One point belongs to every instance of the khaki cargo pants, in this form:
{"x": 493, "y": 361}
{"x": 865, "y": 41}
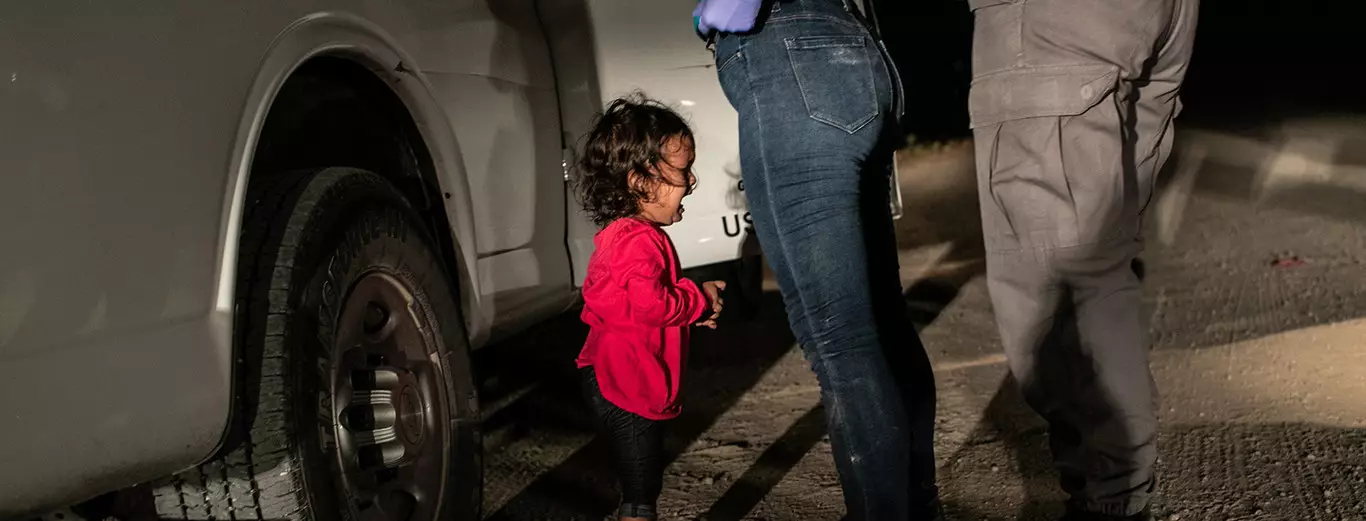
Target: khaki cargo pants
{"x": 1072, "y": 105}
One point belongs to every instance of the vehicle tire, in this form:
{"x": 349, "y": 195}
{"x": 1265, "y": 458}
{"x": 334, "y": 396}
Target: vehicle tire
{"x": 358, "y": 401}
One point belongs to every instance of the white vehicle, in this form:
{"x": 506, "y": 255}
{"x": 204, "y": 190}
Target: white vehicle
{"x": 250, "y": 244}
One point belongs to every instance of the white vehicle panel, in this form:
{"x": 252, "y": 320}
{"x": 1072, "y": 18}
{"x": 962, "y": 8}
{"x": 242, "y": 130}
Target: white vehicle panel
{"x": 127, "y": 127}
{"x": 651, "y": 47}
{"x": 497, "y": 86}
{"x": 128, "y": 131}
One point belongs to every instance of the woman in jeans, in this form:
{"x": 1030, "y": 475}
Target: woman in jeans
{"x": 816, "y": 98}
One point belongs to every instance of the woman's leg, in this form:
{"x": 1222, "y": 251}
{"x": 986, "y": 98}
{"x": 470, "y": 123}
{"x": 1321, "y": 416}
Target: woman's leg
{"x": 813, "y": 96}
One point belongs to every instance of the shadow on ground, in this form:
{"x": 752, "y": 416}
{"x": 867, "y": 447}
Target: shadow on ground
{"x": 1225, "y": 471}
{"x": 723, "y": 366}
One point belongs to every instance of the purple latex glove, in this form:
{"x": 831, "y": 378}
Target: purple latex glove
{"x": 727, "y": 16}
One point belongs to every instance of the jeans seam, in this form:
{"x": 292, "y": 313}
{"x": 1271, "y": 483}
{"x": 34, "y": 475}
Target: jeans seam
{"x": 768, "y": 189}
{"x": 778, "y": 20}
{"x": 785, "y": 249}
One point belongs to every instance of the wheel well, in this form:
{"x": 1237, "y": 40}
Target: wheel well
{"x": 334, "y": 111}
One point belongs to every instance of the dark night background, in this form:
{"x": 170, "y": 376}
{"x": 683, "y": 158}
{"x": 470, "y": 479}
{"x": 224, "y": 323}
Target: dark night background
{"x": 1256, "y": 61}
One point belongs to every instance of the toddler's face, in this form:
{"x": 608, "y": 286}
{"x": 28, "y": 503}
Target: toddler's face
{"x": 666, "y": 205}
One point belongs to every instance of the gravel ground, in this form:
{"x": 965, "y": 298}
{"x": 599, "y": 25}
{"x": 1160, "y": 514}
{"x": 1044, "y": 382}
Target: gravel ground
{"x": 1255, "y": 296}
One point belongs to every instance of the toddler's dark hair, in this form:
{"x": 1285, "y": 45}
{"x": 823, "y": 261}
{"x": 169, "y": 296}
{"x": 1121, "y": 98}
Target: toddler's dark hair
{"x": 627, "y": 137}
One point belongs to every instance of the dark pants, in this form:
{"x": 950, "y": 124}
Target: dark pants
{"x": 638, "y": 445}
{"x": 814, "y": 97}
{"x": 1072, "y": 107}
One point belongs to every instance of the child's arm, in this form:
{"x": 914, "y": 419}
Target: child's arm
{"x": 653, "y": 301}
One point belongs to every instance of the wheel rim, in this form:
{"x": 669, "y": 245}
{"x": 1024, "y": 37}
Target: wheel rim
{"x": 388, "y": 402}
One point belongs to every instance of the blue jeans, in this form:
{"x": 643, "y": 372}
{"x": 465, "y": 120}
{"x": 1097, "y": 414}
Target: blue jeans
{"x": 814, "y": 96}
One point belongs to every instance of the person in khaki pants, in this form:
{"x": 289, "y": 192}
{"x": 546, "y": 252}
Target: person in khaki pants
{"x": 1072, "y": 105}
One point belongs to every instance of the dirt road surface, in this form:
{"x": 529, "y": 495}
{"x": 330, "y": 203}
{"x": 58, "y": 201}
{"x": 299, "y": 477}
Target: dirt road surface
{"x": 1257, "y": 303}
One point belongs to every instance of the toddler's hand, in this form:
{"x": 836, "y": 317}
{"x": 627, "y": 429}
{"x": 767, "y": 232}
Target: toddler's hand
{"x": 713, "y": 290}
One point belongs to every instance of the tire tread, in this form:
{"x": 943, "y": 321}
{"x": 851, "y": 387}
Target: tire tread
{"x": 260, "y": 478}
{"x": 232, "y": 487}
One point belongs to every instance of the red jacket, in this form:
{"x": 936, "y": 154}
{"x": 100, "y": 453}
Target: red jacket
{"x": 638, "y": 311}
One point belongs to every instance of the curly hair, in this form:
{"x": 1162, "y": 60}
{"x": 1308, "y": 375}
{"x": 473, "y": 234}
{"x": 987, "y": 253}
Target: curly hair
{"x": 627, "y": 137}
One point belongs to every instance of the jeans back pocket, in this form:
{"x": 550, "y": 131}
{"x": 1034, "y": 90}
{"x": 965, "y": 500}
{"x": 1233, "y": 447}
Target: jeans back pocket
{"x": 835, "y": 76}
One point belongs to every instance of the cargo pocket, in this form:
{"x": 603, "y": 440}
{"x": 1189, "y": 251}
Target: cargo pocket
{"x": 1031, "y": 92}
{"x": 1027, "y": 150}
{"x": 835, "y": 76}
